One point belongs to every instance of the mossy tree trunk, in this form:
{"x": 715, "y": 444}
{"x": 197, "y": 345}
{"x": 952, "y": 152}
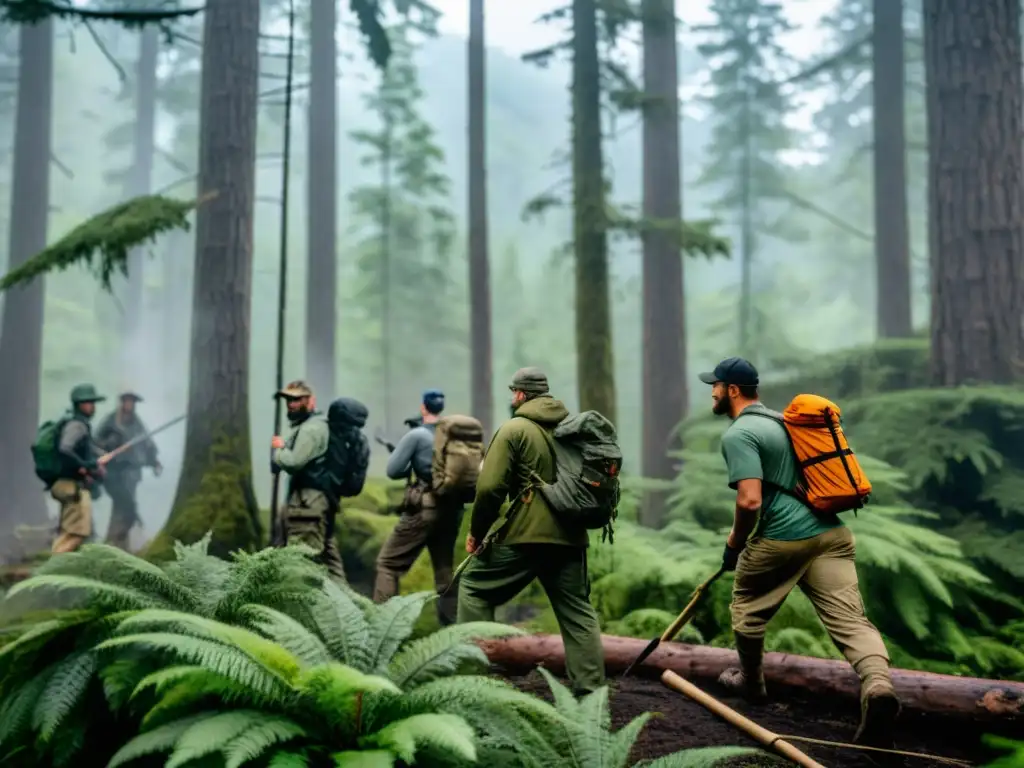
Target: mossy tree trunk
{"x": 664, "y": 337}
{"x": 595, "y": 377}
{"x": 139, "y": 182}
{"x": 322, "y": 200}
{"x": 479, "y": 260}
{"x": 892, "y": 238}
{"x": 975, "y": 98}
{"x": 215, "y": 489}
{"x": 21, "y": 337}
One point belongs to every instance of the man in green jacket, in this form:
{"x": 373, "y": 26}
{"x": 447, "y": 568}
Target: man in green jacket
{"x": 309, "y": 516}
{"x": 528, "y": 541}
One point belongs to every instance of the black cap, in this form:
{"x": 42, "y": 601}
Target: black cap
{"x": 732, "y": 370}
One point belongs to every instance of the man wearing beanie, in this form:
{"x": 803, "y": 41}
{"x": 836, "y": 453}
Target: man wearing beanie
{"x": 529, "y": 542}
{"x": 426, "y": 519}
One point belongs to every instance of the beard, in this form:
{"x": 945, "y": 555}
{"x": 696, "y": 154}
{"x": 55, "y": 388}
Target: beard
{"x": 722, "y": 406}
{"x": 298, "y": 415}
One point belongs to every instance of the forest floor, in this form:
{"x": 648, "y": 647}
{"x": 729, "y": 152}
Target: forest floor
{"x": 684, "y": 724}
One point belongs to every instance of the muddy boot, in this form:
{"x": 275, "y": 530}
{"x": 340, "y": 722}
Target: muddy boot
{"x": 879, "y": 706}
{"x": 747, "y": 680}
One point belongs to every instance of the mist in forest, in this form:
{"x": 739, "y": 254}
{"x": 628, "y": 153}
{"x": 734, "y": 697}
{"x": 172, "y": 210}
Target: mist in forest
{"x": 811, "y": 250}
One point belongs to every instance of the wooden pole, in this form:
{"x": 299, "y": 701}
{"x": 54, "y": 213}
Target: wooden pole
{"x": 748, "y": 726}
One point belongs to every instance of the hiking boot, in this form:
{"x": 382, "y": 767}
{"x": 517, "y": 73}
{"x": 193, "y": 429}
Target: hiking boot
{"x": 736, "y": 681}
{"x": 879, "y": 709}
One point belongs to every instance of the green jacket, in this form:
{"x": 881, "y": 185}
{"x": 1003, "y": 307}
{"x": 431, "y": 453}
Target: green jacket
{"x": 517, "y": 451}
{"x": 302, "y": 456}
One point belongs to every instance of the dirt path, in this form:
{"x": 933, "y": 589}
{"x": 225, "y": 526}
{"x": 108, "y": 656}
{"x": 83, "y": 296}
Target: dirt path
{"x": 683, "y": 724}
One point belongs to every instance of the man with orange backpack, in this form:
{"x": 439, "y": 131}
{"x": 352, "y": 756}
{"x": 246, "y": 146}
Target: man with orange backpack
{"x": 793, "y": 474}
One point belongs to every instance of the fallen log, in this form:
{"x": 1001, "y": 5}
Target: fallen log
{"x": 918, "y": 691}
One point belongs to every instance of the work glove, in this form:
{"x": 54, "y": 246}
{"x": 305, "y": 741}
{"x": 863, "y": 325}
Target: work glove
{"x": 730, "y": 558}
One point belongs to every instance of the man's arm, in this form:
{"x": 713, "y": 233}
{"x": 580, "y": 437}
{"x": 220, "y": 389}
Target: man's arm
{"x": 400, "y": 460}
{"x": 310, "y": 443}
{"x": 492, "y": 484}
{"x": 743, "y": 461}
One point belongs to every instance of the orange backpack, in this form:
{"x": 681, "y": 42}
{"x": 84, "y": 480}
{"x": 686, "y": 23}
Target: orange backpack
{"x": 832, "y": 478}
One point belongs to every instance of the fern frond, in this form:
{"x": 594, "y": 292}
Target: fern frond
{"x": 258, "y": 738}
{"x": 273, "y": 657}
{"x": 448, "y": 733}
{"x": 623, "y": 740}
{"x": 389, "y": 626}
{"x": 288, "y": 759}
{"x": 97, "y": 593}
{"x": 64, "y": 690}
{"x": 445, "y": 652}
{"x": 704, "y": 757}
{"x": 224, "y": 660}
{"x": 17, "y": 707}
{"x": 160, "y": 739}
{"x": 333, "y": 689}
{"x": 342, "y": 626}
{"x": 376, "y": 758}
{"x": 289, "y": 633}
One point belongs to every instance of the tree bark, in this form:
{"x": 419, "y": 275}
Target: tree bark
{"x": 21, "y": 337}
{"x": 976, "y": 221}
{"x": 664, "y": 335}
{"x": 919, "y": 691}
{"x": 140, "y": 182}
{"x": 482, "y": 397}
{"x": 215, "y": 489}
{"x": 595, "y": 375}
{"x": 892, "y": 237}
{"x": 322, "y": 200}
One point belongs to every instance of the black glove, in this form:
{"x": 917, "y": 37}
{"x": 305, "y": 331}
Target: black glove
{"x": 730, "y": 557}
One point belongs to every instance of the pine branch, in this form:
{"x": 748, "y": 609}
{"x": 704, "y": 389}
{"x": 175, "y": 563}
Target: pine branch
{"x": 34, "y": 11}
{"x": 110, "y": 236}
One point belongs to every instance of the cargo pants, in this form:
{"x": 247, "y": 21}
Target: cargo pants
{"x": 501, "y": 573}
{"x": 75, "y": 524}
{"x": 824, "y": 568}
{"x": 121, "y": 486}
{"x": 434, "y": 525}
{"x": 309, "y": 519}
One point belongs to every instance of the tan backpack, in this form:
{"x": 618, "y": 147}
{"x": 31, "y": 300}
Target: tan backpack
{"x": 458, "y": 455}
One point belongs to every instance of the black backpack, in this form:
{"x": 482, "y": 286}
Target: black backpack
{"x": 587, "y": 463}
{"x": 348, "y": 452}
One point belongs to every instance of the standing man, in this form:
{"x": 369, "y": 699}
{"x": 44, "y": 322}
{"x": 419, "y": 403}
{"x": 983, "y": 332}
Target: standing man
{"x": 777, "y": 543}
{"x": 80, "y": 470}
{"x": 529, "y": 540}
{"x": 426, "y": 520}
{"x": 310, "y": 513}
{"x": 124, "y": 471}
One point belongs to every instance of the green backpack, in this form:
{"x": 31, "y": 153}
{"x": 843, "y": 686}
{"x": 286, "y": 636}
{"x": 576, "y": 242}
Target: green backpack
{"x": 45, "y": 450}
{"x": 587, "y": 463}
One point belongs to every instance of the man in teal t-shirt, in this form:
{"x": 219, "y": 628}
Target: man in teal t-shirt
{"x": 777, "y": 543}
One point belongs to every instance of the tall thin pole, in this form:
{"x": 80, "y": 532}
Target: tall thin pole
{"x": 282, "y": 286}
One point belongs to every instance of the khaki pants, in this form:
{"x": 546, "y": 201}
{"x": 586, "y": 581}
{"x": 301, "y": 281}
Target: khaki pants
{"x": 498, "y": 575}
{"x": 309, "y": 519}
{"x": 75, "y": 524}
{"x": 823, "y": 567}
{"x": 434, "y": 526}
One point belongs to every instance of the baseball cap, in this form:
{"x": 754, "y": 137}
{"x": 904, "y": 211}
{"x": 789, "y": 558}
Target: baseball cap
{"x": 294, "y": 390}
{"x": 732, "y": 370}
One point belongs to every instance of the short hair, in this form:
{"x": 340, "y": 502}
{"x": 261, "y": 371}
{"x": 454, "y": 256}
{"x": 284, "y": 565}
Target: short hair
{"x": 433, "y": 401}
{"x": 749, "y": 391}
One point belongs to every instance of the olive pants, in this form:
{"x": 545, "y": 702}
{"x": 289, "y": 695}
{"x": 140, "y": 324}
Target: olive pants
{"x": 121, "y": 487}
{"x": 309, "y": 519}
{"x": 75, "y": 524}
{"x": 824, "y": 568}
{"x": 499, "y": 574}
{"x": 434, "y": 526}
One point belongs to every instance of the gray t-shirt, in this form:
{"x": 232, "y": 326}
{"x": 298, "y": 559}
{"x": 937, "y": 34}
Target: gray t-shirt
{"x": 414, "y": 452}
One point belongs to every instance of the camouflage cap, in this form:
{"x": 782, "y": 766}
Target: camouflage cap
{"x": 531, "y": 380}
{"x": 85, "y": 393}
{"x": 294, "y": 390}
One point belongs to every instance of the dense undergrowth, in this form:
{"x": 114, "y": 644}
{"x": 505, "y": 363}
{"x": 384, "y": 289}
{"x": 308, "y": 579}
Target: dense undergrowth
{"x": 109, "y": 660}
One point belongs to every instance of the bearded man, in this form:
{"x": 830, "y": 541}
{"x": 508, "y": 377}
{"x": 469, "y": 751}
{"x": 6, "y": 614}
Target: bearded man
{"x": 309, "y": 516}
{"x": 777, "y": 543}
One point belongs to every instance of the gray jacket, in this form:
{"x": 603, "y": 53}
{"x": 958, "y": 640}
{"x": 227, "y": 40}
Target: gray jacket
{"x": 414, "y": 453}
